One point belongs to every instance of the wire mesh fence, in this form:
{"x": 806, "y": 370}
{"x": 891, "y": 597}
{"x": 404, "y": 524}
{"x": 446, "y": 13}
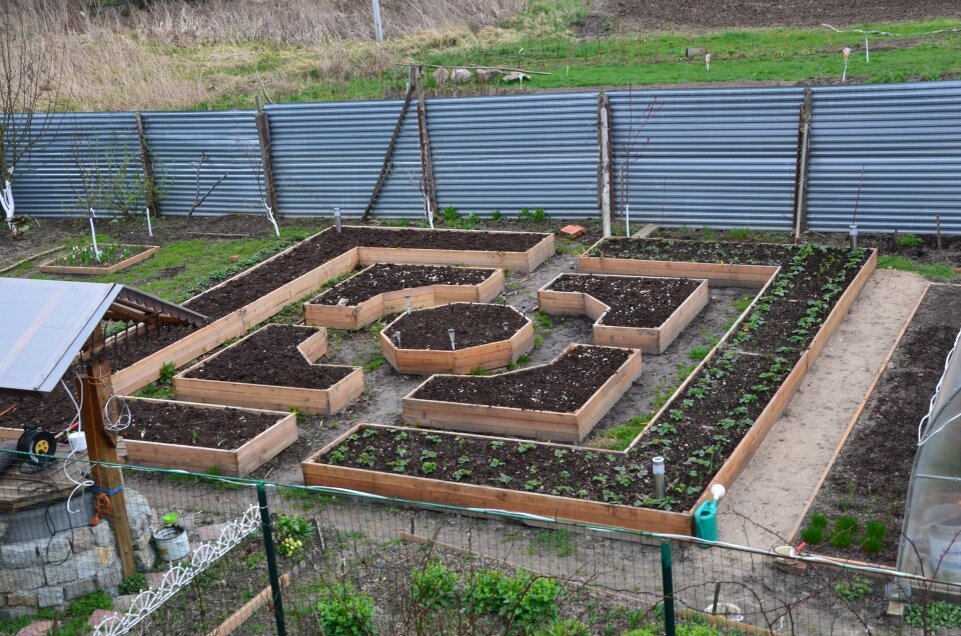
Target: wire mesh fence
{"x": 214, "y": 555}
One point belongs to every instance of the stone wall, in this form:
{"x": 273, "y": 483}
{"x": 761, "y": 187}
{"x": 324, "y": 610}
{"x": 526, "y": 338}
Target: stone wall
{"x": 52, "y": 570}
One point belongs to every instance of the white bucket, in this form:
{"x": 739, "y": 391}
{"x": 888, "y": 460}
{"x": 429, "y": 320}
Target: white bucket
{"x": 943, "y": 524}
{"x": 172, "y": 543}
{"x": 730, "y": 611}
{"x": 78, "y": 442}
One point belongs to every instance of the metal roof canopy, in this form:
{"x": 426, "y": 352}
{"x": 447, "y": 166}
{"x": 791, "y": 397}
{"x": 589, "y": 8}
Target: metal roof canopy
{"x": 48, "y": 322}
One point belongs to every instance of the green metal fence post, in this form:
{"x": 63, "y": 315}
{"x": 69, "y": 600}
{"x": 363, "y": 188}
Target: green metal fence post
{"x": 667, "y": 573}
{"x": 271, "y": 559}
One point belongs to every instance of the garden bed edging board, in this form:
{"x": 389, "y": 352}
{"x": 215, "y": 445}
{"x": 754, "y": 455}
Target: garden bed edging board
{"x": 423, "y": 489}
{"x": 504, "y": 420}
{"x": 358, "y": 316}
{"x": 437, "y": 491}
{"x": 648, "y": 339}
{"x": 491, "y": 355}
{"x": 260, "y": 396}
{"x": 50, "y": 267}
{"x": 237, "y": 462}
{"x": 235, "y": 324}
{"x": 717, "y": 274}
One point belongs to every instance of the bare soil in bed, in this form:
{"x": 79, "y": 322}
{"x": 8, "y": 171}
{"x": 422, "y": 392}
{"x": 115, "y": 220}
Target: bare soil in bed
{"x": 384, "y": 277}
{"x": 271, "y": 357}
{"x": 473, "y": 325}
{"x": 634, "y": 301}
{"x": 562, "y": 386}
{"x": 167, "y": 422}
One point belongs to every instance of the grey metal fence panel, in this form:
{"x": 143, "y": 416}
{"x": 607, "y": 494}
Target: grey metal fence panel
{"x": 507, "y": 153}
{"x": 717, "y": 157}
{"x": 329, "y": 155}
{"x": 48, "y": 181}
{"x": 907, "y": 140}
{"x": 228, "y": 143}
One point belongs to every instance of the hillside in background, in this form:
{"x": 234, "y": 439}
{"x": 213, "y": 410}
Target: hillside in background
{"x": 203, "y": 54}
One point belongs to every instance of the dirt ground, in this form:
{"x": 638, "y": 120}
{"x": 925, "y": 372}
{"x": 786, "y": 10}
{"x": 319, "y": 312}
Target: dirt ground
{"x": 643, "y": 15}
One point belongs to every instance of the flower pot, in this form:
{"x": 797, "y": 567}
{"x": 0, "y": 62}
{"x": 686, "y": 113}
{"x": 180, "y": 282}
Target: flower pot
{"x": 172, "y": 543}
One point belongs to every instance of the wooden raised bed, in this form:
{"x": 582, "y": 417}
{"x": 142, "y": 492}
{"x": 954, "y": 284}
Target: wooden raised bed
{"x": 718, "y": 274}
{"x": 437, "y": 491}
{"x": 424, "y": 489}
{"x": 492, "y": 355}
{"x": 235, "y": 324}
{"x": 373, "y": 309}
{"x": 543, "y": 425}
{"x": 647, "y": 339}
{"x": 237, "y": 462}
{"x": 261, "y": 396}
{"x": 50, "y": 267}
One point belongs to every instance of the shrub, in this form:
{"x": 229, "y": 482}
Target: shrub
{"x": 484, "y": 592}
{"x": 908, "y": 241}
{"x": 856, "y": 589}
{"x": 342, "y": 611}
{"x": 434, "y": 587}
{"x": 529, "y": 603}
{"x": 133, "y": 583}
{"x": 934, "y": 616}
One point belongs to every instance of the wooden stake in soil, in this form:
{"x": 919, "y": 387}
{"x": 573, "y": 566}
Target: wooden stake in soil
{"x": 427, "y": 165}
{"x": 605, "y": 169}
{"x": 148, "y": 173}
{"x": 263, "y": 134}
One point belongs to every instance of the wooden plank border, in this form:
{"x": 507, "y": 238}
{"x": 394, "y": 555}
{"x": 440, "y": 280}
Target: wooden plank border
{"x": 94, "y": 270}
{"x": 423, "y": 489}
{"x": 543, "y": 425}
{"x": 491, "y": 355}
{"x": 237, "y": 462}
{"x": 648, "y": 339}
{"x": 237, "y": 323}
{"x": 262, "y": 396}
{"x": 358, "y": 316}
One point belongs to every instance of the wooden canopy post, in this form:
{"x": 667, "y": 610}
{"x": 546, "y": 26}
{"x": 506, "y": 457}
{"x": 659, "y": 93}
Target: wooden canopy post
{"x": 94, "y": 387}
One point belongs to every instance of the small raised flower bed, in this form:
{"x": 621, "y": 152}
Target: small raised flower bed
{"x": 384, "y": 289}
{"x": 274, "y": 367}
{"x": 113, "y": 258}
{"x": 560, "y": 401}
{"x": 629, "y": 311}
{"x": 484, "y": 337}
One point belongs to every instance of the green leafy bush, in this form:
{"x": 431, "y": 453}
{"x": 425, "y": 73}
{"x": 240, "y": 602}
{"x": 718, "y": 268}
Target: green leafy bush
{"x": 484, "y": 592}
{"x": 133, "y": 583}
{"x": 529, "y": 603}
{"x": 908, "y": 241}
{"x": 856, "y": 589}
{"x": 434, "y": 587}
{"x": 934, "y": 616}
{"x": 342, "y": 611}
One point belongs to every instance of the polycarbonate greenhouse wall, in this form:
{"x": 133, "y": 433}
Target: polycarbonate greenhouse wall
{"x": 716, "y": 157}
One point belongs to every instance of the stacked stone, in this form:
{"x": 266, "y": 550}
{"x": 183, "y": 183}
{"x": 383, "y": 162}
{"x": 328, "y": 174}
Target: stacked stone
{"x": 50, "y": 572}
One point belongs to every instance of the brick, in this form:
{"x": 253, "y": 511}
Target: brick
{"x": 56, "y": 550}
{"x": 63, "y": 573}
{"x": 22, "y": 599}
{"x": 22, "y": 579}
{"x": 20, "y": 555}
{"x": 79, "y": 588}
{"x": 572, "y": 231}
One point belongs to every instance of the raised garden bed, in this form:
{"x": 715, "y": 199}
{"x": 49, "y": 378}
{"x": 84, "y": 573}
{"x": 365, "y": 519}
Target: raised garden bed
{"x": 868, "y": 478}
{"x": 114, "y": 257}
{"x": 275, "y": 367}
{"x": 176, "y": 435}
{"x": 707, "y": 431}
{"x": 384, "y": 289}
{"x": 628, "y": 311}
{"x": 252, "y": 297}
{"x": 737, "y": 264}
{"x": 561, "y": 400}
{"x": 485, "y": 337}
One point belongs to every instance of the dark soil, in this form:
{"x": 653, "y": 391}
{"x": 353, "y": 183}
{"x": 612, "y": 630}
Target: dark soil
{"x": 242, "y": 290}
{"x": 693, "y": 251}
{"x": 633, "y": 301}
{"x": 699, "y": 428}
{"x": 473, "y": 325}
{"x": 562, "y": 386}
{"x": 167, "y": 422}
{"x": 270, "y": 356}
{"x": 633, "y": 15}
{"x": 382, "y": 278}
{"x": 870, "y": 477}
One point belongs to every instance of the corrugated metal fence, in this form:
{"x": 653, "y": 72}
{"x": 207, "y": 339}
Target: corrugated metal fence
{"x": 716, "y": 157}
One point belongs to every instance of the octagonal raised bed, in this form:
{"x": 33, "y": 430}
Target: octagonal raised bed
{"x": 485, "y": 337}
{"x": 634, "y": 307}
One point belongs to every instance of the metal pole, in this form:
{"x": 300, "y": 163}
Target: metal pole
{"x": 378, "y": 25}
{"x": 667, "y": 574}
{"x": 271, "y": 559}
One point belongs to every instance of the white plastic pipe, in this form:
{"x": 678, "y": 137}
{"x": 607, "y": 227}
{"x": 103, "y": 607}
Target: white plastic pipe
{"x": 93, "y": 236}
{"x": 149, "y": 226}
{"x": 657, "y": 469}
{"x": 337, "y": 219}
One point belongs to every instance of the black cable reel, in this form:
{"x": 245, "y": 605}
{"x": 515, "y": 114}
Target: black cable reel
{"x": 39, "y": 447}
